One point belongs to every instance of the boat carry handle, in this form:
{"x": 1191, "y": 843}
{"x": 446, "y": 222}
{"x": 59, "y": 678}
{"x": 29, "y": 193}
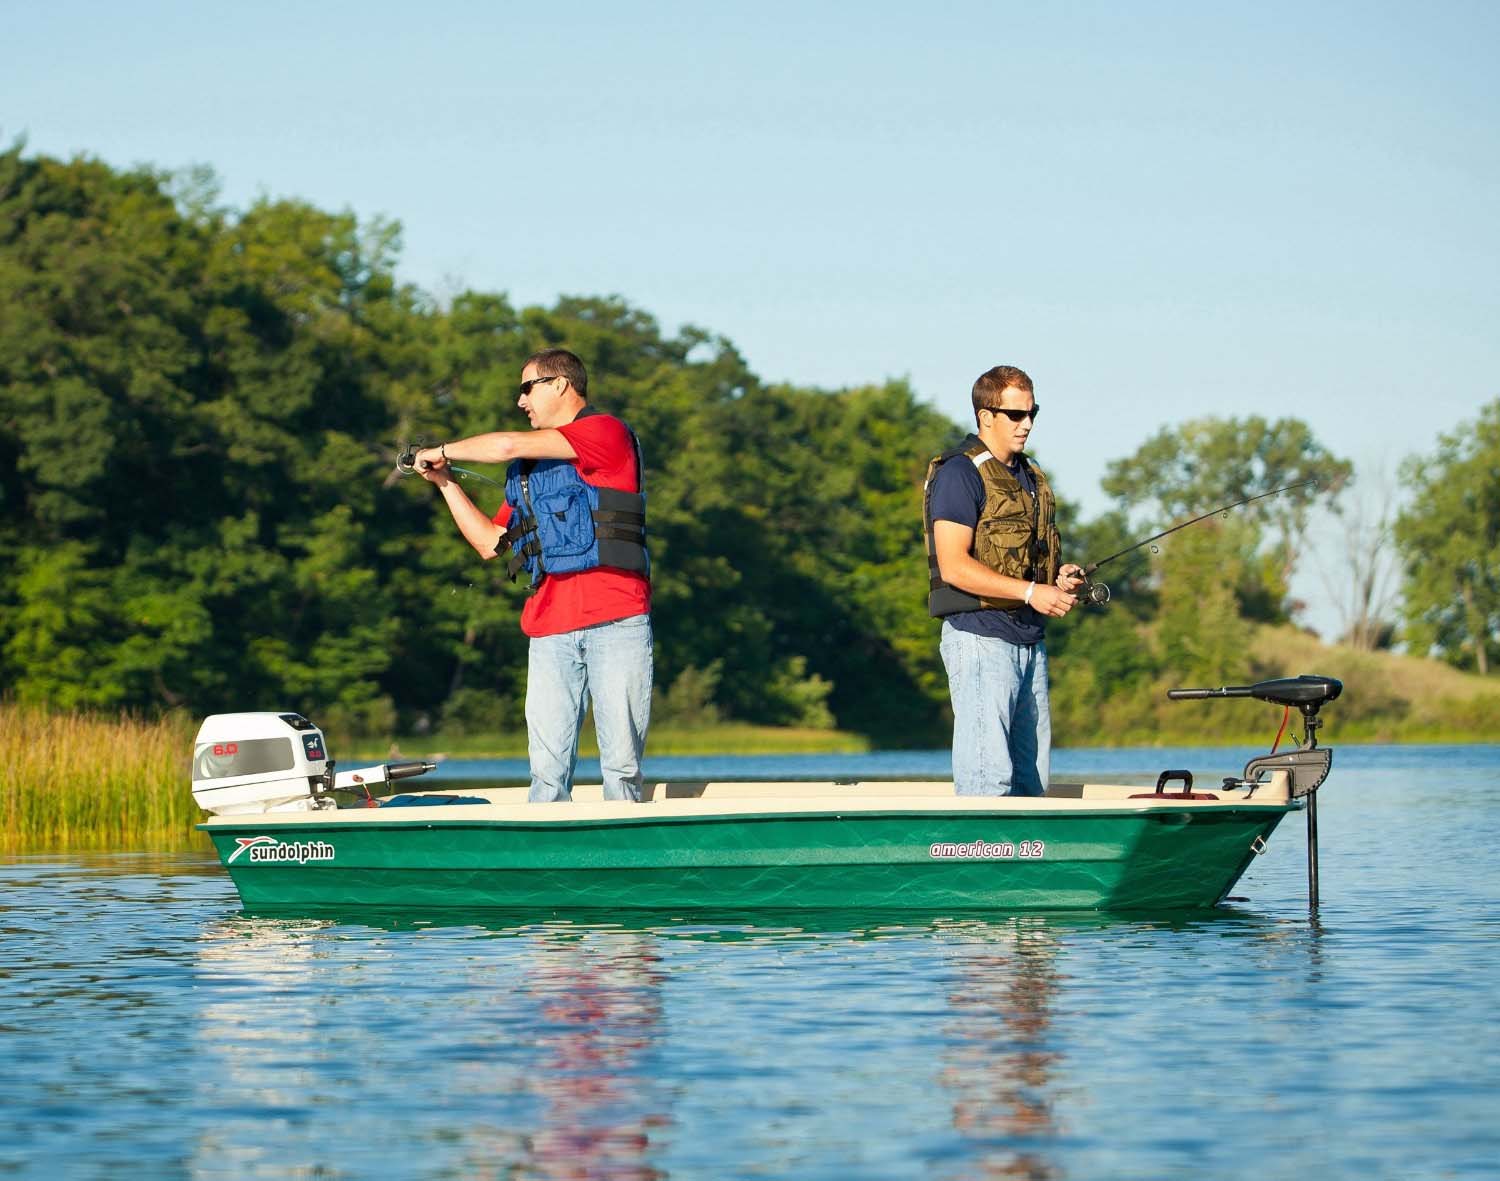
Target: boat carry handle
{"x": 1166, "y": 777}
{"x": 1161, "y": 792}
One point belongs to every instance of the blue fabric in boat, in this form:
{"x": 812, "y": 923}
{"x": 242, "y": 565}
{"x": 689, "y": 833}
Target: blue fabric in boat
{"x": 430, "y": 801}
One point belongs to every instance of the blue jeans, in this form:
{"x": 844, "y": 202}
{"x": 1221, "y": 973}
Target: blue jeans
{"x": 1002, "y": 722}
{"x": 611, "y": 662}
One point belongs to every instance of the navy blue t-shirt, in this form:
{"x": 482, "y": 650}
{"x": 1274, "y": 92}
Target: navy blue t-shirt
{"x": 958, "y": 495}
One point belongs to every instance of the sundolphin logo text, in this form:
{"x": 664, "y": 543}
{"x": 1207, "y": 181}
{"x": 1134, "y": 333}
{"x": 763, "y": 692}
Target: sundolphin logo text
{"x": 270, "y": 849}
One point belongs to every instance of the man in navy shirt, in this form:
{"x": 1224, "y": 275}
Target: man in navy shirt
{"x": 996, "y": 577}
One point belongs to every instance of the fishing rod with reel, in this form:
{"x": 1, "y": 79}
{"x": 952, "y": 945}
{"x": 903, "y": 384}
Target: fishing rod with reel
{"x": 1097, "y": 594}
{"x": 406, "y": 463}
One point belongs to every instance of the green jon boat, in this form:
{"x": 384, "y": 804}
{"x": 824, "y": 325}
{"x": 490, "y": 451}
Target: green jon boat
{"x": 288, "y": 842}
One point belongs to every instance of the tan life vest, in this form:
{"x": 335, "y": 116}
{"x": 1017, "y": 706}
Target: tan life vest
{"x": 1016, "y": 534}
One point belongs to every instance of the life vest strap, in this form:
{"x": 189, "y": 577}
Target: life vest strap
{"x": 610, "y": 533}
{"x": 521, "y": 526}
{"x": 531, "y": 549}
{"x": 618, "y": 517}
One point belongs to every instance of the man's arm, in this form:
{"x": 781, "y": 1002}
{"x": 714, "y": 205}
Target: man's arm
{"x": 478, "y": 530}
{"x": 499, "y": 447}
{"x": 961, "y": 569}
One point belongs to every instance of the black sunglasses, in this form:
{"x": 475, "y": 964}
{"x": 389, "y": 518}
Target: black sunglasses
{"x": 1014, "y": 415}
{"x": 526, "y": 385}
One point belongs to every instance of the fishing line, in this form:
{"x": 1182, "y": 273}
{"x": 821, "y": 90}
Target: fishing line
{"x": 1097, "y": 593}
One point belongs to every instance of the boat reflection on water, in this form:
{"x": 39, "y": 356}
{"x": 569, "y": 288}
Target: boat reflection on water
{"x": 546, "y": 1063}
{"x": 596, "y": 995}
{"x": 998, "y": 1061}
{"x": 553, "y": 1045}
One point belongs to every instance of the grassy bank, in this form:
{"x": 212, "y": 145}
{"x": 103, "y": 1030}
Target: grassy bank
{"x": 1388, "y": 697}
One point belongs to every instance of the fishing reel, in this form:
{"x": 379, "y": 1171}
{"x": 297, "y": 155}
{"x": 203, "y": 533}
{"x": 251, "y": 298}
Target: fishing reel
{"x": 1093, "y": 594}
{"x": 406, "y": 456}
{"x": 406, "y": 463}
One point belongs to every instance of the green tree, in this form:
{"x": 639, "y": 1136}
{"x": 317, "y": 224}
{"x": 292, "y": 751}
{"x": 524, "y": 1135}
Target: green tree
{"x": 199, "y": 409}
{"x": 1183, "y": 471}
{"x": 185, "y": 400}
{"x": 1449, "y": 539}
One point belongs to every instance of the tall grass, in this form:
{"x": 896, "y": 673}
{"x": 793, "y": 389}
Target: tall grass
{"x": 81, "y": 781}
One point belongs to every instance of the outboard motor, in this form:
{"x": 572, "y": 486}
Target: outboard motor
{"x": 246, "y": 764}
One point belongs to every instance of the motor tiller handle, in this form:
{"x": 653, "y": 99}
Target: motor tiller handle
{"x": 1195, "y": 694}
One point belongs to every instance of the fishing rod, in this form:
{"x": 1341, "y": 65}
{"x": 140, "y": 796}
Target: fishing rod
{"x": 406, "y": 464}
{"x": 1096, "y": 594}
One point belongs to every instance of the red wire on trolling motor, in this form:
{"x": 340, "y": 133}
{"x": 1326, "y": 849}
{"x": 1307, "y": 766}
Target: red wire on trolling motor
{"x": 1286, "y": 713}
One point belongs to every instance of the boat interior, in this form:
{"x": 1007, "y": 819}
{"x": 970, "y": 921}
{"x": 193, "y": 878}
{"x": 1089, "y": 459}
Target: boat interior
{"x": 705, "y": 798}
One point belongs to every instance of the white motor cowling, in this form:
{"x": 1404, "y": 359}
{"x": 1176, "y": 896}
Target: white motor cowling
{"x": 260, "y": 762}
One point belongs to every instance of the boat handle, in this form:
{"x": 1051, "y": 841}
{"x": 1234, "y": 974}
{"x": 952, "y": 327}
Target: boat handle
{"x": 1166, "y": 777}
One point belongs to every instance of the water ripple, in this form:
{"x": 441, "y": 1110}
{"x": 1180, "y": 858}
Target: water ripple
{"x": 154, "y": 1029}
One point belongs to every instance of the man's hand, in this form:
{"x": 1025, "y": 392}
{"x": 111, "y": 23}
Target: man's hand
{"x": 428, "y": 459}
{"x": 432, "y": 465}
{"x": 1051, "y": 600}
{"x": 1070, "y": 578}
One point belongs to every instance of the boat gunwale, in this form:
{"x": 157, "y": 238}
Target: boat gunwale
{"x": 627, "y": 814}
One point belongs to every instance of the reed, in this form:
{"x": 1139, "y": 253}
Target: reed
{"x": 88, "y": 781}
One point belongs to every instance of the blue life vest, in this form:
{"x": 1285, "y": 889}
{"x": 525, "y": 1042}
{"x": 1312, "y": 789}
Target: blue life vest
{"x": 560, "y": 524}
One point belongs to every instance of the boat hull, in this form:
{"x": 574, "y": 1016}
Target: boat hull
{"x": 1158, "y": 858}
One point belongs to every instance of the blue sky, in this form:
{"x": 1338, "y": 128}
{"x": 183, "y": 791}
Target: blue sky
{"x": 1160, "y": 210}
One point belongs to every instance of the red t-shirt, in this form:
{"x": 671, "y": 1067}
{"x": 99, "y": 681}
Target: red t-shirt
{"x": 566, "y": 602}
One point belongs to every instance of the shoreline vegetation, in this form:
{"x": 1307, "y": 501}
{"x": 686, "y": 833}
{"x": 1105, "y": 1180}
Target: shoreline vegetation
{"x": 78, "y": 781}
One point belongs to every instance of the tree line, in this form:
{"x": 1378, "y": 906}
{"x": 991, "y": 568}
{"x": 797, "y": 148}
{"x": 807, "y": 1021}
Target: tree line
{"x": 200, "y": 408}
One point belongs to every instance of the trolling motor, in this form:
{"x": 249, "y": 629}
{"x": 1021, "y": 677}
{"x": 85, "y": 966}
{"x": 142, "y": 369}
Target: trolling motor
{"x": 251, "y": 763}
{"x": 1096, "y": 594}
{"x": 1307, "y": 766}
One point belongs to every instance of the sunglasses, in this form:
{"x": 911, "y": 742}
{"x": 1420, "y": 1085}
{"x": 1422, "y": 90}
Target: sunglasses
{"x": 1014, "y": 415}
{"x": 526, "y": 385}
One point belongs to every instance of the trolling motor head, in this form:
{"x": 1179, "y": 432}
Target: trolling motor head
{"x": 1306, "y": 693}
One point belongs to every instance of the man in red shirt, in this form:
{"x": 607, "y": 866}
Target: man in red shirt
{"x": 574, "y": 520}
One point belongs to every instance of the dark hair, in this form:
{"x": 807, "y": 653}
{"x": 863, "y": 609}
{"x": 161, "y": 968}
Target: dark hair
{"x": 993, "y": 382}
{"x": 561, "y": 363}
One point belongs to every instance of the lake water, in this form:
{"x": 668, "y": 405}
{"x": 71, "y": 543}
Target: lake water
{"x": 151, "y": 1030}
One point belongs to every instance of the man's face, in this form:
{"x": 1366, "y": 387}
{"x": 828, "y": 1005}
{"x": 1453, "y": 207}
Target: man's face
{"x": 541, "y": 399}
{"x": 1010, "y": 437}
